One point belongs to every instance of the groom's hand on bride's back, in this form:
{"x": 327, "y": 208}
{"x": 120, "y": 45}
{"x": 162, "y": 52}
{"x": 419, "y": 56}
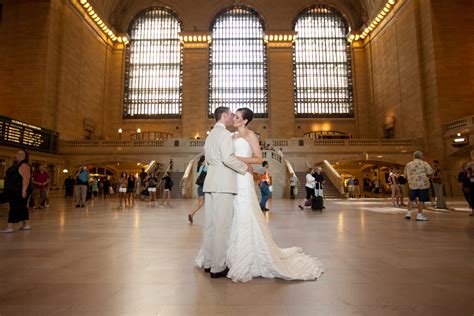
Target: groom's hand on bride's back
{"x": 249, "y": 168}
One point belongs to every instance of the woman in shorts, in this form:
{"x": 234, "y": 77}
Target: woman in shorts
{"x": 151, "y": 187}
{"x": 122, "y": 188}
{"x": 167, "y": 190}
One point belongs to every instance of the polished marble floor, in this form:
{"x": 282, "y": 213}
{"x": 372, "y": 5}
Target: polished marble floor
{"x": 105, "y": 260}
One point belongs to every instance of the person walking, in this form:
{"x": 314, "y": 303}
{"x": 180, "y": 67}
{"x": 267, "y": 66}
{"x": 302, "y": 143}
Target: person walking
{"x": 167, "y": 190}
{"x": 82, "y": 180}
{"x": 202, "y": 173}
{"x": 265, "y": 183}
{"x": 417, "y": 172}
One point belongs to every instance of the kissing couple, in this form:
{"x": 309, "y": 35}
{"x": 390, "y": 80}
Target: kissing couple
{"x": 237, "y": 240}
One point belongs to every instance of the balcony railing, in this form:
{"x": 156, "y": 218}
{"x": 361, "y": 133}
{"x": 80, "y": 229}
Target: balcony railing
{"x": 459, "y": 124}
{"x": 294, "y": 145}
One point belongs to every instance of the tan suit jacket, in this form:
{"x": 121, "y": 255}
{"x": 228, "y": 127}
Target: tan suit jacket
{"x": 222, "y": 164}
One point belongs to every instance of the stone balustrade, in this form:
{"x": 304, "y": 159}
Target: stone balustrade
{"x": 293, "y": 145}
{"x": 458, "y": 125}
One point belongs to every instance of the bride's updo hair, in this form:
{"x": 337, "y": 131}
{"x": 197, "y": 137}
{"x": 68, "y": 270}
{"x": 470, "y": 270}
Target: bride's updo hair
{"x": 247, "y": 114}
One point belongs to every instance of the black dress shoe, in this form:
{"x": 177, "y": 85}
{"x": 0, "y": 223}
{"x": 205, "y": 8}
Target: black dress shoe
{"x": 207, "y": 270}
{"x": 221, "y": 274}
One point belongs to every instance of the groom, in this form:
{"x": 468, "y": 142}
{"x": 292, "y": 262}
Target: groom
{"x": 219, "y": 188}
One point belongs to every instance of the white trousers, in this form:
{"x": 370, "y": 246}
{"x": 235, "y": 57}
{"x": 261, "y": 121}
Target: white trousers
{"x": 219, "y": 209}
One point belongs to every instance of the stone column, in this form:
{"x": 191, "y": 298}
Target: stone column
{"x": 195, "y": 83}
{"x": 281, "y": 100}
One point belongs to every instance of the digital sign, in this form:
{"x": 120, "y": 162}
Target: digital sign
{"x": 20, "y": 134}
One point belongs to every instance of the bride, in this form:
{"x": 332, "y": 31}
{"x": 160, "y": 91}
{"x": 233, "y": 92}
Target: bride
{"x": 251, "y": 251}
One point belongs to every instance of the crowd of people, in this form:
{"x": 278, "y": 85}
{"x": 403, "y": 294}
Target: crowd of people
{"x": 27, "y": 188}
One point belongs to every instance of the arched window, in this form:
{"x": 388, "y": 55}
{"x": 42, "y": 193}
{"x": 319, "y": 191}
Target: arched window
{"x": 153, "y": 75}
{"x": 237, "y": 63}
{"x": 322, "y": 64}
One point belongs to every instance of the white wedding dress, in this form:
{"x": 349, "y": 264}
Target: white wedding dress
{"x": 251, "y": 250}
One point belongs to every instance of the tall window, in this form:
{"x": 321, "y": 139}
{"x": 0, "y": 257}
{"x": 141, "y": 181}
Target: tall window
{"x": 238, "y": 71}
{"x": 322, "y": 64}
{"x": 153, "y": 75}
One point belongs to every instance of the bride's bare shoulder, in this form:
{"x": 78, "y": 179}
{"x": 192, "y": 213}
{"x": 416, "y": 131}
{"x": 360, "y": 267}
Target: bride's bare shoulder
{"x": 252, "y": 137}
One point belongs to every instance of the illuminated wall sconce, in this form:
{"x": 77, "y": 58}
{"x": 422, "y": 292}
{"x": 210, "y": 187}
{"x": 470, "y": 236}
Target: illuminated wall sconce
{"x": 362, "y": 34}
{"x": 65, "y": 171}
{"x": 139, "y": 130}
{"x": 459, "y": 140}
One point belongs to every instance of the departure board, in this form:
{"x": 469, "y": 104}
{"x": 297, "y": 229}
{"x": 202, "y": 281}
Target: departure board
{"x": 20, "y": 134}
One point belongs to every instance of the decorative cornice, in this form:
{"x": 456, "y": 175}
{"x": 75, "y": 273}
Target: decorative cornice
{"x": 93, "y": 18}
{"x": 369, "y": 28}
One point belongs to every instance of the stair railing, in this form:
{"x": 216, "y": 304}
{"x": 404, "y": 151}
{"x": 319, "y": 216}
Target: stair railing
{"x": 333, "y": 176}
{"x": 186, "y": 183}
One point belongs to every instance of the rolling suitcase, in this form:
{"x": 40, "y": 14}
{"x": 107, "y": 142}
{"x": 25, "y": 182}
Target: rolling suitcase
{"x": 317, "y": 203}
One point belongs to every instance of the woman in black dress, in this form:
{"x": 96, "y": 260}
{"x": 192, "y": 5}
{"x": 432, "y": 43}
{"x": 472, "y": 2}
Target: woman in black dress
{"x": 17, "y": 190}
{"x": 131, "y": 189}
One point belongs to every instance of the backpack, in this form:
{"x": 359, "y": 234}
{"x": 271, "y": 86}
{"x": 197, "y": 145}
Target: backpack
{"x": 83, "y": 177}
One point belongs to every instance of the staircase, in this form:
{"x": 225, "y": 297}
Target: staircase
{"x": 176, "y": 191}
{"x": 330, "y": 190}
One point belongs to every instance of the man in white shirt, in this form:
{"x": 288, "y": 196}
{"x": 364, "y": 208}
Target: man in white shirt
{"x": 309, "y": 186}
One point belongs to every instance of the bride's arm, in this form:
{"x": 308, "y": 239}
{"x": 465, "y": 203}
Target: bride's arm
{"x": 257, "y": 153}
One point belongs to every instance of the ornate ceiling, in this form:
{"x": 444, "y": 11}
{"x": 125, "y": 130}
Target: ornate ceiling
{"x": 119, "y": 13}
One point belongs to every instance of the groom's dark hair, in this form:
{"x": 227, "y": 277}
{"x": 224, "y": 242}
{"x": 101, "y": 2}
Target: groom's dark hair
{"x": 219, "y": 111}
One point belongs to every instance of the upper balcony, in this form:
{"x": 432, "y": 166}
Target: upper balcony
{"x": 192, "y": 146}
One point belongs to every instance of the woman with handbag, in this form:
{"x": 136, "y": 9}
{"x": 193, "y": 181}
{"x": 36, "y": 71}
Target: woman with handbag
{"x": 202, "y": 172}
